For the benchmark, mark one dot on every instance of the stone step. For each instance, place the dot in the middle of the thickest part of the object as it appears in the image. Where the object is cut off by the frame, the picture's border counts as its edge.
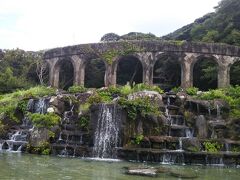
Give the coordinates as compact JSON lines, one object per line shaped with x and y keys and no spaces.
{"x":178,"y":157}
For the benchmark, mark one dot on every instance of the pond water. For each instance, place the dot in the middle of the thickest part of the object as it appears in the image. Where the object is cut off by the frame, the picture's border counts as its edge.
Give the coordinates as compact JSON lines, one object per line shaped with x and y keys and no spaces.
{"x":24,"y":166}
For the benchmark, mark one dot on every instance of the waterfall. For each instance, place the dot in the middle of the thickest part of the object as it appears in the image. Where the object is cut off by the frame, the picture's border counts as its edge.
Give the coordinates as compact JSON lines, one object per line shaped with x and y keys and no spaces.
{"x":209,"y":111}
{"x":189,"y":133}
{"x":227,"y":147}
{"x":1,"y":145}
{"x":168,"y":101}
{"x":38,"y":106}
{"x":180,"y":143}
{"x":17,"y":141}
{"x":107,"y":132}
{"x":218,"y":111}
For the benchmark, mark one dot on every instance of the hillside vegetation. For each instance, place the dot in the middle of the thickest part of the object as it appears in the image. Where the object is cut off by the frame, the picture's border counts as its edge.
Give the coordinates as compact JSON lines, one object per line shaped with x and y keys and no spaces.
{"x":221,"y":26}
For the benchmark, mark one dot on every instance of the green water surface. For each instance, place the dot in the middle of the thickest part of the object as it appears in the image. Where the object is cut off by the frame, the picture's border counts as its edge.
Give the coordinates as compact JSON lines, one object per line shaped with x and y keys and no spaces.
{"x":33,"y":167}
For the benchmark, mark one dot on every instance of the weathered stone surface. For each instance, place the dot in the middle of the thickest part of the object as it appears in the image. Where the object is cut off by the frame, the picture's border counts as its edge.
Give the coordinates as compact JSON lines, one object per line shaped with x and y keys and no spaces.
{"x":154,"y":96}
{"x":160,"y":139}
{"x":146,"y":52}
{"x":151,"y":172}
{"x":201,"y":126}
{"x":146,"y":171}
{"x":191,"y":144}
{"x":148,"y":46}
{"x":38,"y":136}
{"x":184,"y":175}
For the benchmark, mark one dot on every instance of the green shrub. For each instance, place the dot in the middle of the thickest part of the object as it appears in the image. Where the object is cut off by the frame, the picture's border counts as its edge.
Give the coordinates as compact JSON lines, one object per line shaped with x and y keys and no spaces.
{"x":105,"y":96}
{"x":95,"y":99}
{"x":2,"y":128}
{"x":142,"y":87}
{"x":43,"y":148}
{"x":46,"y":151}
{"x":138,"y":139}
{"x":213,"y":94}
{"x":211,"y":146}
{"x":231,"y":95}
{"x":126,"y":90}
{"x":44,"y":120}
{"x":77,"y":89}
{"x":192,"y":91}
{"x":84,"y":121}
{"x":176,"y":89}
{"x":141,"y":106}
{"x":233,"y":92}
{"x":10,"y":102}
{"x":22,"y":105}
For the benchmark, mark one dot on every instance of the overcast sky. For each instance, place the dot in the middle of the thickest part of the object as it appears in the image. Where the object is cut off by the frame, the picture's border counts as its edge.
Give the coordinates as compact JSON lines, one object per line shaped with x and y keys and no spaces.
{"x":43,"y":24}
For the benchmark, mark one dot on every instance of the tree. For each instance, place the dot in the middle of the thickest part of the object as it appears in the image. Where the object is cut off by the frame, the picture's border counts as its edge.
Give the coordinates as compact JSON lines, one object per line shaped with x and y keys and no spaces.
{"x":8,"y":82}
{"x":41,"y":69}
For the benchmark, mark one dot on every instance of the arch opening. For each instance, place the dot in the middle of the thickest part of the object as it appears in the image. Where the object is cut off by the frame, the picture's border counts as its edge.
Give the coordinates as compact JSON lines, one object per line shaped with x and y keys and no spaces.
{"x":167,"y":72}
{"x":235,"y":74}
{"x":129,"y":70}
{"x":66,"y":74}
{"x":94,"y":73}
{"x":205,"y":74}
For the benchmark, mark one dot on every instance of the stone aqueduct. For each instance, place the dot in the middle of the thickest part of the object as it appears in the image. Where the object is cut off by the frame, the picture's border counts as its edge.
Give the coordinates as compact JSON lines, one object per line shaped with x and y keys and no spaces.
{"x":147,"y":52}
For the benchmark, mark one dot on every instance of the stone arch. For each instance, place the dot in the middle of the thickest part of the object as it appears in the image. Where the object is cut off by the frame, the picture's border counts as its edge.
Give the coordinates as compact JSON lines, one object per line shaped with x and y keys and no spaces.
{"x":63,"y":73}
{"x":204,"y":70}
{"x":235,"y":73}
{"x":95,"y":73}
{"x":135,"y":71}
{"x":167,"y":71}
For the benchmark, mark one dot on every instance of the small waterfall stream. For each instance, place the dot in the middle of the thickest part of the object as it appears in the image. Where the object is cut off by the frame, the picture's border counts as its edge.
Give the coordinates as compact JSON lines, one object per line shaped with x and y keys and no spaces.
{"x":107,"y":132}
{"x":19,"y":138}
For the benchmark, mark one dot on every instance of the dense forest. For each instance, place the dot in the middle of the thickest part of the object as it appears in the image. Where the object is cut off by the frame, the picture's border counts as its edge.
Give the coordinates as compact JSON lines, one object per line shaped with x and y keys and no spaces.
{"x":20,"y":69}
{"x":221,"y":26}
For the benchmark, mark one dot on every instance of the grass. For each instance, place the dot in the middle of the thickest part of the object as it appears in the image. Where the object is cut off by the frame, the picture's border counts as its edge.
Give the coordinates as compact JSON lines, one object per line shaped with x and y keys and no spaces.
{"x":9,"y":102}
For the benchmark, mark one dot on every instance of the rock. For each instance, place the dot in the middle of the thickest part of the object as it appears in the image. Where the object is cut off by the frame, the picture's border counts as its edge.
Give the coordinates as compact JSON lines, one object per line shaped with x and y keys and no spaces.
{"x":147,"y":171}
{"x":201,"y":125}
{"x":50,"y":110}
{"x":83,"y":97}
{"x":160,"y":139}
{"x":184,"y":175}
{"x":153,"y":95}
{"x":38,"y":136}
{"x":142,"y":171}
{"x":57,"y":103}
{"x":191,"y":144}
{"x":163,"y":170}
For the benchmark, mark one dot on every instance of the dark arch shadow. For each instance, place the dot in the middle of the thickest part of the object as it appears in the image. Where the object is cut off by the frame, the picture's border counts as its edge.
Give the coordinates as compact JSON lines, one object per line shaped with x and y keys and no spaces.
{"x":205,"y":73}
{"x":66,"y":73}
{"x":167,"y":72}
{"x":235,"y":74}
{"x":94,"y":73}
{"x":129,"y":69}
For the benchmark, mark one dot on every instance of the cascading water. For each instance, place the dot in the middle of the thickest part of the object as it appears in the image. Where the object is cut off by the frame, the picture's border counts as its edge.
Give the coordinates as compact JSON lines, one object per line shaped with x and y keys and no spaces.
{"x":107,"y":132}
{"x":180,"y":143}
{"x":1,"y":145}
{"x":38,"y":106}
{"x":189,"y":133}
{"x":18,"y":139}
{"x":218,"y":111}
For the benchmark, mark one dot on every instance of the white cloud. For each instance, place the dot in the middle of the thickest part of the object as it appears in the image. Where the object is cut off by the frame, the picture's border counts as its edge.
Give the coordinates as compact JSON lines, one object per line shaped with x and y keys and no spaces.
{"x":40,"y":24}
